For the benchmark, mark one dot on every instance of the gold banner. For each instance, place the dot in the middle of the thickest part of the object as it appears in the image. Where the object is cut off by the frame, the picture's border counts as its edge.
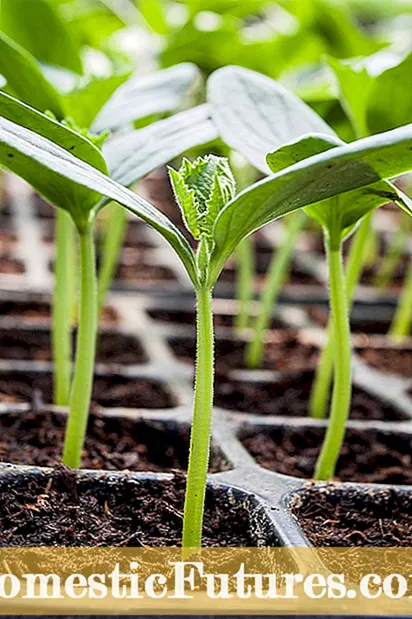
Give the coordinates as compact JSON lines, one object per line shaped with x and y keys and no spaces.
{"x":327,"y":581}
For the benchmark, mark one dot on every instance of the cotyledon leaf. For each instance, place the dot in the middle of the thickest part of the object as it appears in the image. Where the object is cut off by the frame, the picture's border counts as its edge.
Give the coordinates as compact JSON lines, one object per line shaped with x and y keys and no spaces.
{"x":255,"y":114}
{"x":141,"y":96}
{"x":133,"y":155}
{"x":21,"y":149}
{"x":336,"y":171}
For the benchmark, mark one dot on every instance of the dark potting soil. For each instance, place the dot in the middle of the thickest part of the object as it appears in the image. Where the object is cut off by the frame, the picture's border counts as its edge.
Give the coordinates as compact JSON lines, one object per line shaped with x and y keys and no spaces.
{"x":332,"y":517}
{"x":135,"y":265}
{"x":112,"y":348}
{"x":109,"y":391}
{"x":368,"y":455}
{"x":10,"y":266}
{"x":391,"y":360}
{"x":7,"y":240}
{"x":184,"y":317}
{"x":64,"y":510}
{"x":290,"y":398}
{"x":296,"y":276}
{"x":112,"y":443}
{"x":39,"y":313}
{"x":284,"y":353}
{"x":359,"y":323}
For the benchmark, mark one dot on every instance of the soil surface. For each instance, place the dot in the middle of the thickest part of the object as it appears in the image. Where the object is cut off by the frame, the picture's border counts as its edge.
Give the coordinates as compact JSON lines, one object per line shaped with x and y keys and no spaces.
{"x":290,"y":398}
{"x":112,"y":348}
{"x":64,"y":510}
{"x":369,"y":456}
{"x":39,"y":313}
{"x":284,"y":353}
{"x":297,"y":275}
{"x":390,"y":360}
{"x":364,"y":324}
{"x":185,"y":317}
{"x":112,"y":443}
{"x":109,"y":391}
{"x":10,"y":266}
{"x":7,"y":240}
{"x":330,"y":517}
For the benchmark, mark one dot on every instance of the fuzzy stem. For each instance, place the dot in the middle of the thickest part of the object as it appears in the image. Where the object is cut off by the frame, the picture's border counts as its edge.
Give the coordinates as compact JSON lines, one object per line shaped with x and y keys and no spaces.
{"x":113,"y":241}
{"x":274,"y":280}
{"x":401,"y":324}
{"x":202,"y":418}
{"x":85,"y":355}
{"x":63,"y":303}
{"x":246,"y":269}
{"x":342,"y":389}
{"x":318,"y":402}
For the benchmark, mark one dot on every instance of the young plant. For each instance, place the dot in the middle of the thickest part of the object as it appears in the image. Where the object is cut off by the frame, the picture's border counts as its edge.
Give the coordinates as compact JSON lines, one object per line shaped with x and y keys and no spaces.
{"x":72,"y":183}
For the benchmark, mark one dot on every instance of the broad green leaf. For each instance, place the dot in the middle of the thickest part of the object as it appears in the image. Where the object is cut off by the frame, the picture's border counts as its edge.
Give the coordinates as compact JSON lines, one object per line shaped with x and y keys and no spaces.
{"x":37,"y":26}
{"x":89,"y":96}
{"x":390,"y":98}
{"x":254,"y":114}
{"x":25,"y":79}
{"x":37,"y":159}
{"x":60,"y":191}
{"x":140,"y":96}
{"x":336,"y":171}
{"x":294,"y":152}
{"x":133,"y":155}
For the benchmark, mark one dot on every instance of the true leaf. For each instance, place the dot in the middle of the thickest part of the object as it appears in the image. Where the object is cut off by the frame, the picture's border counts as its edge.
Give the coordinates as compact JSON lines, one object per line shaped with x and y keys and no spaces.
{"x":336,"y":171}
{"x":307,"y":146}
{"x":133,"y":155}
{"x":37,"y":159}
{"x":254,"y":114}
{"x":25,"y":78}
{"x":141,"y":96}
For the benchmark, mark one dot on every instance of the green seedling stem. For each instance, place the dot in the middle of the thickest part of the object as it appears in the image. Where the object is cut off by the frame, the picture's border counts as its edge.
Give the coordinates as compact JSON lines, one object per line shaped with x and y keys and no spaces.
{"x":114,"y":233}
{"x":318,"y":403}
{"x":63,"y":303}
{"x":274,"y":280}
{"x":401,"y":324}
{"x":81,"y":390}
{"x":245,"y":256}
{"x":342,"y":388}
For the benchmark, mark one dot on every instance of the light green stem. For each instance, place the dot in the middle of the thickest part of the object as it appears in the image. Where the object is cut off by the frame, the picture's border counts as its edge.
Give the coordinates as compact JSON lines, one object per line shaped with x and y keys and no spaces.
{"x":274,"y":280}
{"x":245,"y":275}
{"x":63,"y":303}
{"x":401,"y":324}
{"x":319,"y":397}
{"x":394,"y":253}
{"x":342,"y":389}
{"x":85,"y":355}
{"x":202,"y":418}
{"x":113,"y":241}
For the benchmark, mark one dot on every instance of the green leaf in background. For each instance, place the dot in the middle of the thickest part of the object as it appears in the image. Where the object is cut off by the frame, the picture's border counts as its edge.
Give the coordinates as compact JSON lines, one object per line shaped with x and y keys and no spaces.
{"x":37,"y":26}
{"x":336,"y":171}
{"x":140,"y":96}
{"x":254,"y":114}
{"x":294,"y":152}
{"x":153,"y":12}
{"x":89,"y":96}
{"x":133,"y":155}
{"x":25,"y":78}
{"x":57,"y":189}
{"x":52,"y":169}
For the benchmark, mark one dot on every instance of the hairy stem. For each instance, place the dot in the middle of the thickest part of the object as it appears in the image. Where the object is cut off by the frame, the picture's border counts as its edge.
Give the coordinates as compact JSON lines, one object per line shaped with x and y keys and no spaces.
{"x":246,"y":269}
{"x":401,"y":323}
{"x":202,"y":418}
{"x":342,"y":389}
{"x":85,"y":355}
{"x":319,"y":397}
{"x":63,"y":305}
{"x":274,"y":280}
{"x":113,"y":241}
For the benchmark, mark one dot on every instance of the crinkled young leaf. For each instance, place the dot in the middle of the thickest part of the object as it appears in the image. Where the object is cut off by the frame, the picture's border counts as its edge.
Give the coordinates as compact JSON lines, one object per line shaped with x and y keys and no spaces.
{"x":60,"y":191}
{"x":185,"y":198}
{"x":336,"y":171}
{"x":141,"y":96}
{"x":37,"y":159}
{"x":25,"y":78}
{"x":254,"y":114}
{"x":37,"y":26}
{"x":133,"y":155}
